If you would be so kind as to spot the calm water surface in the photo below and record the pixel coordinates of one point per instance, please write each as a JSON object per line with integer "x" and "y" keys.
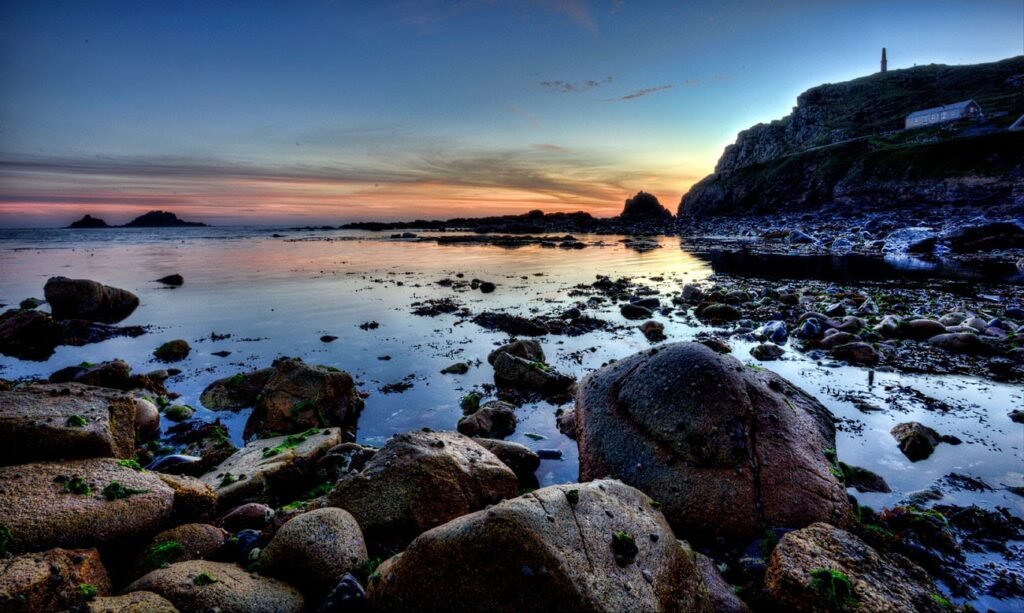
{"x": 277, "y": 296}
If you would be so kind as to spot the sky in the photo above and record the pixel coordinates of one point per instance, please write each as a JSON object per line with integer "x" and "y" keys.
{"x": 341, "y": 110}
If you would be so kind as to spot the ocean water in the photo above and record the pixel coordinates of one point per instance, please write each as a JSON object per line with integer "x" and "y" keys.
{"x": 277, "y": 295}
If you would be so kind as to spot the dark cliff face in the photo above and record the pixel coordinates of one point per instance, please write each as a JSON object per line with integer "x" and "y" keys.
{"x": 160, "y": 219}
{"x": 89, "y": 222}
{"x": 843, "y": 145}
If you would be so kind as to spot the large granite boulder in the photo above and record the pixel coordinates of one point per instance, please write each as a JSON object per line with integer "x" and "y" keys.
{"x": 51, "y": 580}
{"x": 298, "y": 396}
{"x": 238, "y": 391}
{"x": 419, "y": 480}
{"x": 89, "y": 300}
{"x": 132, "y": 602}
{"x": 270, "y": 468}
{"x": 201, "y": 585}
{"x": 728, "y": 451}
{"x": 315, "y": 549}
{"x": 180, "y": 543}
{"x": 822, "y": 568}
{"x": 599, "y": 546}
{"x": 81, "y": 503}
{"x": 65, "y": 421}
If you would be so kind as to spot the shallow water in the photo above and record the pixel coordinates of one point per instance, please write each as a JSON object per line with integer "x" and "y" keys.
{"x": 277, "y": 296}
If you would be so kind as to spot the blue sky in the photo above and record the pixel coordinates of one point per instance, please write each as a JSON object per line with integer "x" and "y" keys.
{"x": 336, "y": 110}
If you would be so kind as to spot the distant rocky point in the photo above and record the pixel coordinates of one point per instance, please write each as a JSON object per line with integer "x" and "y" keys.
{"x": 152, "y": 219}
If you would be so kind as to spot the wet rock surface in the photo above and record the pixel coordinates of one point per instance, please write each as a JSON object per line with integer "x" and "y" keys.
{"x": 694, "y": 429}
{"x": 89, "y": 300}
{"x": 558, "y": 553}
{"x": 51, "y": 580}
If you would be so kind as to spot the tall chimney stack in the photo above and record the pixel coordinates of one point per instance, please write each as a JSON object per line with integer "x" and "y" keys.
{"x": 885, "y": 62}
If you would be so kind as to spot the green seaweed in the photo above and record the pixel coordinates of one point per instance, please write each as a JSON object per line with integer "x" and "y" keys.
{"x": 87, "y": 590}
{"x": 573, "y": 496}
{"x": 470, "y": 403}
{"x": 116, "y": 491}
{"x": 204, "y": 579}
{"x": 75, "y": 485}
{"x": 833, "y": 587}
{"x": 290, "y": 442}
{"x": 76, "y": 421}
{"x": 227, "y": 479}
{"x": 5, "y": 539}
{"x": 236, "y": 379}
{"x": 942, "y": 601}
{"x": 624, "y": 548}
{"x": 160, "y": 555}
{"x": 132, "y": 464}
{"x": 367, "y": 569}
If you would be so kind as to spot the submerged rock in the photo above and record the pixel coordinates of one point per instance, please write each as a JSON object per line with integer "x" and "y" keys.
{"x": 728, "y": 451}
{"x": 653, "y": 331}
{"x": 823, "y": 568}
{"x": 917, "y": 441}
{"x": 172, "y": 351}
{"x": 495, "y": 419}
{"x": 528, "y": 349}
{"x": 238, "y": 391}
{"x": 34, "y": 335}
{"x": 531, "y": 376}
{"x": 89, "y": 300}
{"x": 299, "y": 396}
{"x": 174, "y": 280}
{"x": 420, "y": 480}
{"x": 597, "y": 546}
{"x": 201, "y": 585}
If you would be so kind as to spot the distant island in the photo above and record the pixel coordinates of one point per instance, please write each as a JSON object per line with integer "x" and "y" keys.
{"x": 152, "y": 219}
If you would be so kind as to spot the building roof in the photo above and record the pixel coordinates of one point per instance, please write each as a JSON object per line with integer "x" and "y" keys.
{"x": 956, "y": 107}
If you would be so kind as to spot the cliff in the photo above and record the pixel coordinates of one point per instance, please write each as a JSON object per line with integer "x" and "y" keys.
{"x": 843, "y": 145}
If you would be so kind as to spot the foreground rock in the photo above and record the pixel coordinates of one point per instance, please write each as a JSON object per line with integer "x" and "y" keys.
{"x": 81, "y": 503}
{"x": 89, "y": 300}
{"x": 495, "y": 419}
{"x": 596, "y": 546}
{"x": 299, "y": 396}
{"x": 520, "y": 458}
{"x": 132, "y": 602}
{"x": 315, "y": 549}
{"x": 728, "y": 451}
{"x": 51, "y": 580}
{"x": 420, "y": 480}
{"x": 270, "y": 468}
{"x": 65, "y": 421}
{"x": 200, "y": 585}
{"x": 798, "y": 577}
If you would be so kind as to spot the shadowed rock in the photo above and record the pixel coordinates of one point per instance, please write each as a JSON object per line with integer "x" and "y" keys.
{"x": 728, "y": 451}
{"x": 597, "y": 547}
{"x": 201, "y": 585}
{"x": 89, "y": 300}
{"x": 51, "y": 580}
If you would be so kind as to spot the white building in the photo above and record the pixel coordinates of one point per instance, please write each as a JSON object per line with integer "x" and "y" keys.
{"x": 968, "y": 109}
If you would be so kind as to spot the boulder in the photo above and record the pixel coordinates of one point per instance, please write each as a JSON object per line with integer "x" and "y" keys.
{"x": 193, "y": 499}
{"x": 299, "y": 396}
{"x": 727, "y": 450}
{"x": 720, "y": 594}
{"x": 173, "y": 351}
{"x": 824, "y": 568}
{"x": 29, "y": 335}
{"x": 315, "y": 549}
{"x": 89, "y": 300}
{"x": 420, "y": 480}
{"x": 961, "y": 342}
{"x": 132, "y": 602}
{"x": 599, "y": 546}
{"x": 270, "y": 468}
{"x": 767, "y": 352}
{"x": 523, "y": 462}
{"x": 987, "y": 237}
{"x": 566, "y": 423}
{"x": 528, "y": 349}
{"x": 238, "y": 391}
{"x": 495, "y": 419}
{"x": 719, "y": 312}
{"x": 653, "y": 331}
{"x": 201, "y": 585}
{"x": 860, "y": 354}
{"x": 635, "y": 311}
{"x": 832, "y": 341}
{"x": 922, "y": 329}
{"x": 81, "y": 503}
{"x": 918, "y": 441}
{"x": 514, "y": 372}
{"x": 116, "y": 374}
{"x": 249, "y": 516}
{"x": 184, "y": 542}
{"x": 53, "y": 580}
{"x": 65, "y": 421}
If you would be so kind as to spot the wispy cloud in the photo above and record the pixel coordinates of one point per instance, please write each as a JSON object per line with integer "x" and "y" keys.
{"x": 549, "y": 148}
{"x": 576, "y": 10}
{"x": 640, "y": 93}
{"x": 575, "y": 87}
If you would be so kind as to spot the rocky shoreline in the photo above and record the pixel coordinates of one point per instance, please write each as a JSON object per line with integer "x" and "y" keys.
{"x": 105, "y": 509}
